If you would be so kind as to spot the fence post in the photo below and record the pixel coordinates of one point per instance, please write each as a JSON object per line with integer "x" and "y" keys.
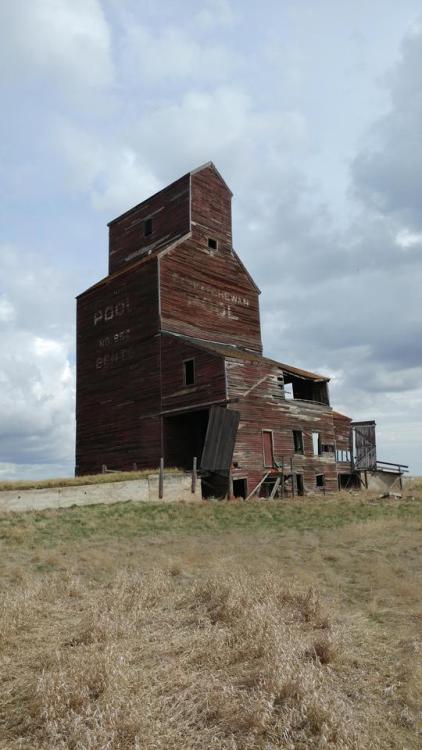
{"x": 161, "y": 480}
{"x": 194, "y": 474}
{"x": 293, "y": 477}
{"x": 134, "y": 466}
{"x": 103, "y": 469}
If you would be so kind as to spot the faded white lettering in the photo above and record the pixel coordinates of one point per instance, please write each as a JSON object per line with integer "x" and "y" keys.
{"x": 111, "y": 311}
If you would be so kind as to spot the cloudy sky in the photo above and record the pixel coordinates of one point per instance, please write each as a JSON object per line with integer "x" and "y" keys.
{"x": 312, "y": 111}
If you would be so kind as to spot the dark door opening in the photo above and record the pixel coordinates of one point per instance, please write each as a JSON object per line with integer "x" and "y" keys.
{"x": 184, "y": 437}
{"x": 348, "y": 481}
{"x": 299, "y": 484}
{"x": 240, "y": 488}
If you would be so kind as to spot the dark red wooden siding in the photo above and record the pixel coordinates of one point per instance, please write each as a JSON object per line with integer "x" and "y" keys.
{"x": 169, "y": 211}
{"x": 211, "y": 208}
{"x": 118, "y": 377}
{"x": 209, "y": 386}
{"x": 208, "y": 296}
{"x": 254, "y": 390}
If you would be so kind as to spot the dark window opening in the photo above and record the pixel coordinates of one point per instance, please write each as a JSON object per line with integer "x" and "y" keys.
{"x": 298, "y": 441}
{"x": 305, "y": 389}
{"x": 240, "y": 488}
{"x": 327, "y": 448}
{"x": 320, "y": 480}
{"x": 189, "y": 372}
{"x": 212, "y": 244}
{"x": 147, "y": 227}
{"x": 348, "y": 481}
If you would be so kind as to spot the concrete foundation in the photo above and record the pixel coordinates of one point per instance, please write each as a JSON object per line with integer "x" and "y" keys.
{"x": 381, "y": 480}
{"x": 177, "y": 488}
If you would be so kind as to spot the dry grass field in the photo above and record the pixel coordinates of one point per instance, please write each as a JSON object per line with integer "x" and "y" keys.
{"x": 281, "y": 624}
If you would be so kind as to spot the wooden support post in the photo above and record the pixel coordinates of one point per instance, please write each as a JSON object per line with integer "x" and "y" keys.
{"x": 255, "y": 489}
{"x": 194, "y": 475}
{"x": 293, "y": 477}
{"x": 275, "y": 488}
{"x": 161, "y": 480}
{"x": 282, "y": 477}
{"x": 103, "y": 469}
{"x": 134, "y": 467}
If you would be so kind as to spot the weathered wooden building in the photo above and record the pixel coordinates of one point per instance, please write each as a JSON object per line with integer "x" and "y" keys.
{"x": 170, "y": 363}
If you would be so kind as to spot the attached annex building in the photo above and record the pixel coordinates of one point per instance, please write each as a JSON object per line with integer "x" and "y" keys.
{"x": 170, "y": 363}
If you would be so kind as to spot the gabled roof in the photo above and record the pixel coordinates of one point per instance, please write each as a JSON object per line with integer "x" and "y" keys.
{"x": 167, "y": 187}
{"x": 212, "y": 165}
{"x": 233, "y": 352}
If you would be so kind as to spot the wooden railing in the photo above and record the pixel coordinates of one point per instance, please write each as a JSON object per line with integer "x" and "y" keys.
{"x": 392, "y": 468}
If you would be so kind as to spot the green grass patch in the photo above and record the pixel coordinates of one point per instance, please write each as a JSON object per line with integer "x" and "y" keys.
{"x": 128, "y": 520}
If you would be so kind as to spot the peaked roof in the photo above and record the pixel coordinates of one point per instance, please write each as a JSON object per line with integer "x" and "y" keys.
{"x": 212, "y": 165}
{"x": 226, "y": 350}
{"x": 166, "y": 187}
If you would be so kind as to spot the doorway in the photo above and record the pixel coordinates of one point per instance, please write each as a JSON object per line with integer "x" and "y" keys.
{"x": 299, "y": 484}
{"x": 240, "y": 488}
{"x": 184, "y": 437}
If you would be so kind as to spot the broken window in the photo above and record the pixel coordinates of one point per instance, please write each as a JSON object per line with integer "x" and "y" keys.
{"x": 306, "y": 389}
{"x": 320, "y": 481}
{"x": 316, "y": 445}
{"x": 298, "y": 441}
{"x": 212, "y": 244}
{"x": 327, "y": 448}
{"x": 189, "y": 372}
{"x": 147, "y": 227}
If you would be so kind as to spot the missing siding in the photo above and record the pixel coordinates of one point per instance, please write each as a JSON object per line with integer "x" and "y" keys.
{"x": 147, "y": 227}
{"x": 212, "y": 244}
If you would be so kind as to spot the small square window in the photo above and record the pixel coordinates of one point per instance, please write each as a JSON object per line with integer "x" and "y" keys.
{"x": 298, "y": 441}
{"x": 212, "y": 244}
{"x": 189, "y": 372}
{"x": 147, "y": 227}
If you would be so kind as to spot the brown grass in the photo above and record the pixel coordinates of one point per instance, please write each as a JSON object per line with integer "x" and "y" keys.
{"x": 153, "y": 661}
{"x": 230, "y": 639}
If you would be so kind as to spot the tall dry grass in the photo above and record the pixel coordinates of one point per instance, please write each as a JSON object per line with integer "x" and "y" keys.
{"x": 164, "y": 660}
